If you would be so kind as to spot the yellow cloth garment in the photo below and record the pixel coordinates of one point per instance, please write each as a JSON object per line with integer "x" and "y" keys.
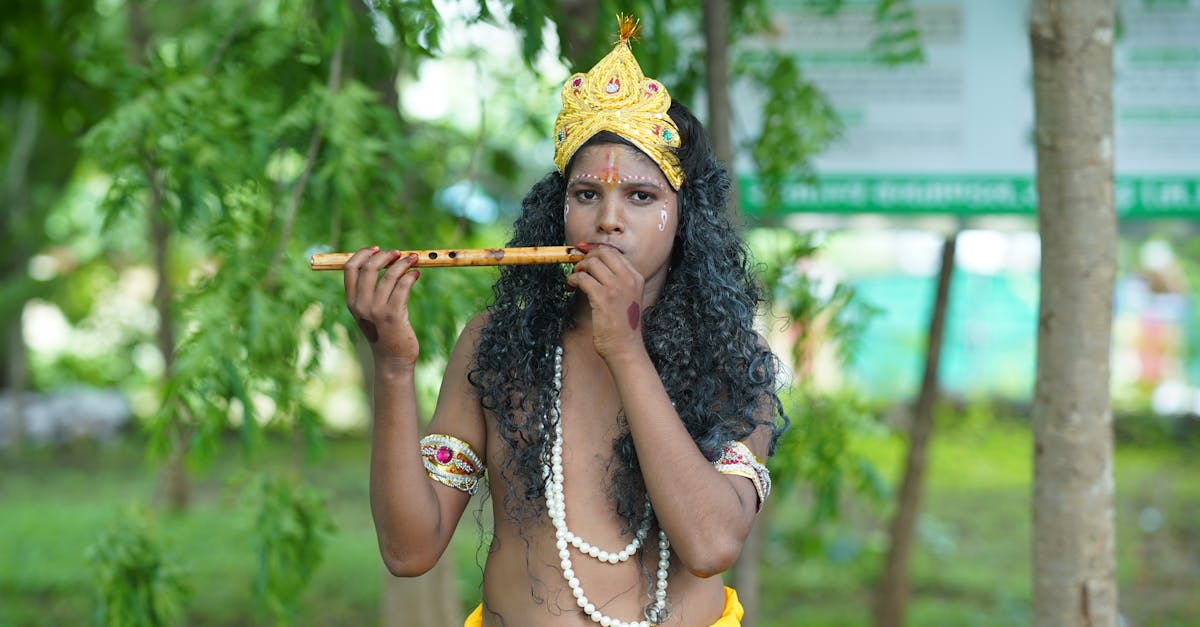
{"x": 731, "y": 617}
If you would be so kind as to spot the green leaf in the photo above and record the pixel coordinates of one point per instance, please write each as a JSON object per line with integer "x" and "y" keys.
{"x": 289, "y": 533}
{"x": 137, "y": 583}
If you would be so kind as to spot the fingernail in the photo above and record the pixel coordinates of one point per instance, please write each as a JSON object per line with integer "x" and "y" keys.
{"x": 416, "y": 274}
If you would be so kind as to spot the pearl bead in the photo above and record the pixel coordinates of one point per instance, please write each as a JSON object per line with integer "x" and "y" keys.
{"x": 556, "y": 509}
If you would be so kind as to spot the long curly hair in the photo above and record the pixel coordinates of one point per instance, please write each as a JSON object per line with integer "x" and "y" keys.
{"x": 699, "y": 334}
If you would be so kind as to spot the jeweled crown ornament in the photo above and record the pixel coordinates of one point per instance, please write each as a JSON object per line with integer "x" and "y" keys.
{"x": 615, "y": 96}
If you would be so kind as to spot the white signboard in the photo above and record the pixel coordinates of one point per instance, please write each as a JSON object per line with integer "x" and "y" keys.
{"x": 953, "y": 132}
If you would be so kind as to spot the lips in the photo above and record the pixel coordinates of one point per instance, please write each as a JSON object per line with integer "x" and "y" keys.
{"x": 586, "y": 247}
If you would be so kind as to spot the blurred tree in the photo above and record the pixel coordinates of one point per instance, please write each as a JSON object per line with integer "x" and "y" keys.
{"x": 1074, "y": 562}
{"x": 246, "y": 135}
{"x": 46, "y": 103}
{"x": 239, "y": 136}
{"x": 139, "y": 583}
{"x": 891, "y": 602}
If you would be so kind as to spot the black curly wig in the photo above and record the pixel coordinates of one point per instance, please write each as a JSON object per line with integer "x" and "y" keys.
{"x": 699, "y": 334}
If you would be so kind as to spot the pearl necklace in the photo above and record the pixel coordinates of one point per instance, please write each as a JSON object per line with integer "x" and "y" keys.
{"x": 556, "y": 506}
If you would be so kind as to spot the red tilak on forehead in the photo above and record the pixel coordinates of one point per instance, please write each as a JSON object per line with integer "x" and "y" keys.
{"x": 611, "y": 174}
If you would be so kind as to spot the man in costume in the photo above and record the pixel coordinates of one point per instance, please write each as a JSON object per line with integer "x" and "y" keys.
{"x": 634, "y": 388}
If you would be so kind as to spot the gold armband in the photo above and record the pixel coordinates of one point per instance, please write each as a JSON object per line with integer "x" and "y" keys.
{"x": 452, "y": 462}
{"x": 737, "y": 459}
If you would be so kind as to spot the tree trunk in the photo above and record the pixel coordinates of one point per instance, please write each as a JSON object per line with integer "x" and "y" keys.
{"x": 720, "y": 116}
{"x": 575, "y": 28}
{"x": 13, "y": 362}
{"x": 430, "y": 600}
{"x": 892, "y": 596}
{"x": 1073, "y": 527}
{"x": 174, "y": 487}
{"x": 17, "y": 381}
{"x": 744, "y": 575}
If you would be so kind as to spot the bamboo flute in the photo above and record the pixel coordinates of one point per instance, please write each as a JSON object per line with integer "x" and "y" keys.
{"x": 460, "y": 257}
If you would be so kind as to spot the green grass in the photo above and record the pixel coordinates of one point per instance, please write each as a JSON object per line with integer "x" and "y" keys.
{"x": 971, "y": 566}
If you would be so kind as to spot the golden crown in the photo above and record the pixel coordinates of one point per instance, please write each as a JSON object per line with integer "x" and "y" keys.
{"x": 615, "y": 96}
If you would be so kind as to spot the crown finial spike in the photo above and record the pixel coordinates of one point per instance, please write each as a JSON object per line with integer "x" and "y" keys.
{"x": 629, "y": 27}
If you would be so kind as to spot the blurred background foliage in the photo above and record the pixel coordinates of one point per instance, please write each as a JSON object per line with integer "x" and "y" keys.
{"x": 170, "y": 166}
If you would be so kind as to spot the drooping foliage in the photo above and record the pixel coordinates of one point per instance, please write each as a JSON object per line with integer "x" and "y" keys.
{"x": 232, "y": 138}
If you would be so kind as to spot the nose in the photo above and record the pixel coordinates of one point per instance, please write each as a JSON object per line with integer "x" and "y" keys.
{"x": 610, "y": 219}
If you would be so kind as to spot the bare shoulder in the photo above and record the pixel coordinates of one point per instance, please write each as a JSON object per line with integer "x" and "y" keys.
{"x": 463, "y": 355}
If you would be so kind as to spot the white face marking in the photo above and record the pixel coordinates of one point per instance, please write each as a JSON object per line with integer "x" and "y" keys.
{"x": 609, "y": 180}
{"x": 662, "y": 213}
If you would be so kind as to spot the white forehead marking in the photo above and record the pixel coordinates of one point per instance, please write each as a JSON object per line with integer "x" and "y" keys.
{"x": 631, "y": 178}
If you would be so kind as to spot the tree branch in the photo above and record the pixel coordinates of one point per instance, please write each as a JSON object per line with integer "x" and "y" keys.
{"x": 233, "y": 31}
{"x": 310, "y": 160}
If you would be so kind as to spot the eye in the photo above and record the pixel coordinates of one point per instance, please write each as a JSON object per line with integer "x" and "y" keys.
{"x": 643, "y": 196}
{"x": 585, "y": 194}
